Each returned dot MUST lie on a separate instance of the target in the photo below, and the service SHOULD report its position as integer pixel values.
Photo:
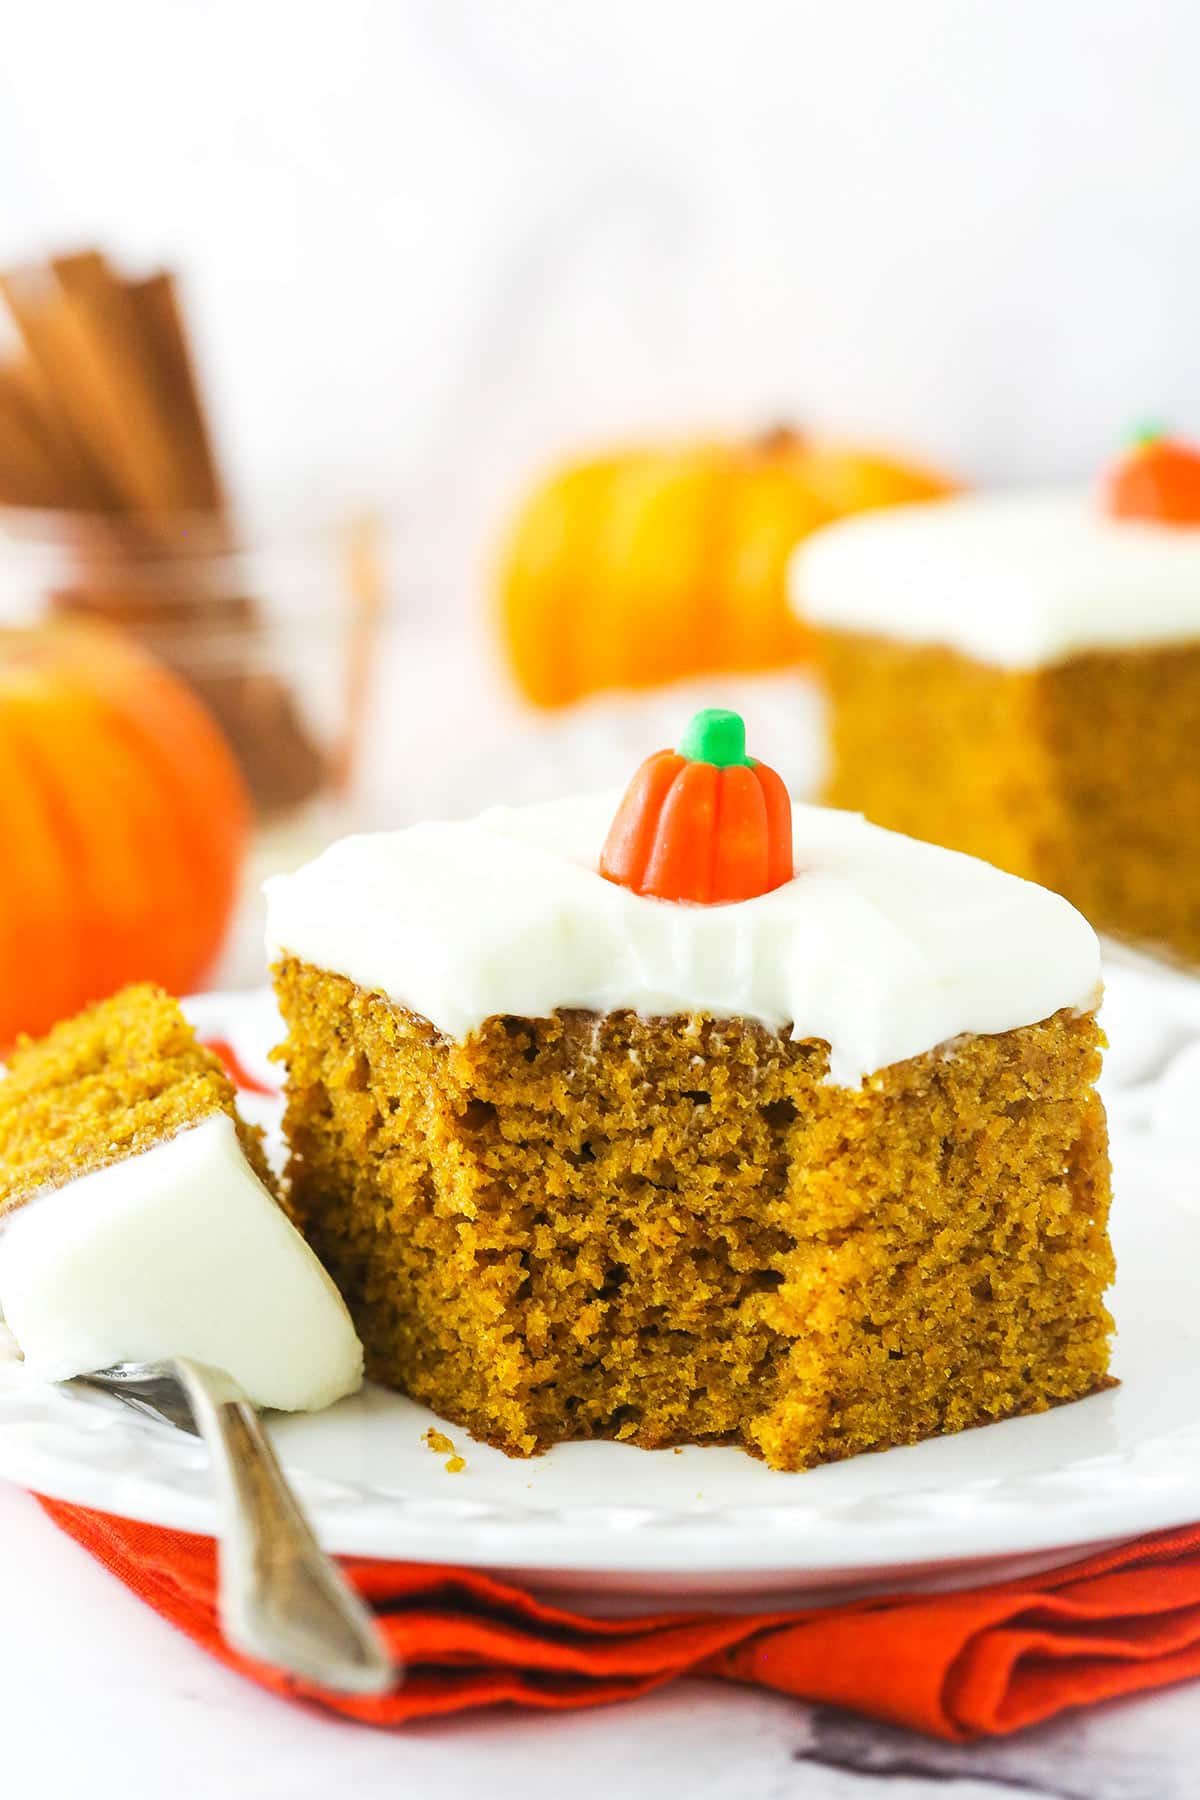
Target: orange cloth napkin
(956, 1666)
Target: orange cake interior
(672, 1230)
(1073, 775)
(121, 1077)
(1017, 675)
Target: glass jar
(275, 627)
(281, 628)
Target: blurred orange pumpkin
(649, 565)
(123, 821)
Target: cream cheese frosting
(882, 946)
(177, 1251)
(1015, 579)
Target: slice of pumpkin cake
(698, 1117)
(1017, 675)
(138, 1217)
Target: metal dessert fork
(281, 1599)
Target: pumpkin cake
(138, 1217)
(1018, 676)
(723, 1120)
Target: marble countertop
(103, 1697)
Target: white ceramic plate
(607, 1519)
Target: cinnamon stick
(29, 471)
(101, 415)
(155, 305)
(120, 411)
(29, 294)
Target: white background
(428, 240)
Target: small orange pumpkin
(1158, 480)
(702, 823)
(645, 566)
(123, 821)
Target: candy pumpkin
(1158, 481)
(703, 823)
(123, 821)
(648, 566)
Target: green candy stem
(716, 736)
(1148, 432)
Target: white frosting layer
(178, 1251)
(1015, 579)
(882, 946)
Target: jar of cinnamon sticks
(112, 506)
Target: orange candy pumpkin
(123, 821)
(650, 565)
(1158, 481)
(702, 823)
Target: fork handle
(282, 1600)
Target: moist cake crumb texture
(1073, 775)
(1017, 676)
(676, 1229)
(116, 1080)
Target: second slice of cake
(817, 1170)
(1017, 675)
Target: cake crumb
(809, 1271)
(110, 1083)
(441, 1445)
